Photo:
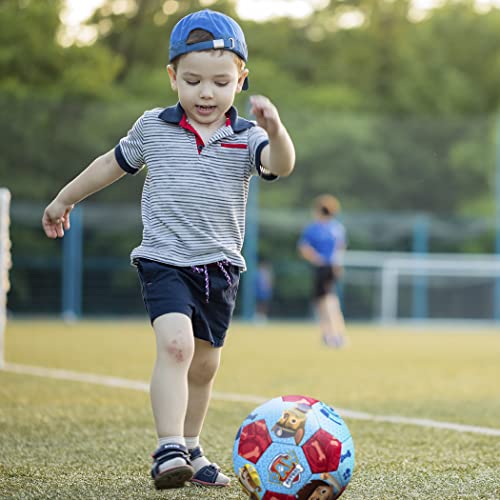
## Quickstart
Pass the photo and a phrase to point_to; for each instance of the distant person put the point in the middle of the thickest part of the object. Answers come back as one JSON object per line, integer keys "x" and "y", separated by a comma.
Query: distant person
{"x": 322, "y": 244}
{"x": 200, "y": 156}
{"x": 264, "y": 284}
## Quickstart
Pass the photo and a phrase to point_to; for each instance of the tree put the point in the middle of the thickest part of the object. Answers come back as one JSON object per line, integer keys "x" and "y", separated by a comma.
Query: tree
{"x": 33, "y": 63}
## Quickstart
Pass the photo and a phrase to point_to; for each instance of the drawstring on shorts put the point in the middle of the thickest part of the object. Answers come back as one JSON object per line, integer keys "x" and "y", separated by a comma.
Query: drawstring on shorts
{"x": 221, "y": 264}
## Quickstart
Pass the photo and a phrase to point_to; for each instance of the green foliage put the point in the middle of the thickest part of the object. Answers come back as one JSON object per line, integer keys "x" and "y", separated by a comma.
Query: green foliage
{"x": 318, "y": 73}
{"x": 391, "y": 114}
{"x": 452, "y": 62}
{"x": 33, "y": 63}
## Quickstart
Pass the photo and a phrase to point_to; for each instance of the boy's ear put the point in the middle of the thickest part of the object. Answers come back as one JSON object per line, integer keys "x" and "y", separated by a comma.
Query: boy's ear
{"x": 173, "y": 76}
{"x": 241, "y": 80}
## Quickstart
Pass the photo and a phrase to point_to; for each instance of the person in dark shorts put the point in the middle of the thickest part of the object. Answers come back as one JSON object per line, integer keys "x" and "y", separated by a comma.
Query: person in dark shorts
{"x": 200, "y": 157}
{"x": 322, "y": 244}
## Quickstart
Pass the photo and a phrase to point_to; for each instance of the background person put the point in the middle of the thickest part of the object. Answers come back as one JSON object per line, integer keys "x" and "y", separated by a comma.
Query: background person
{"x": 264, "y": 285}
{"x": 322, "y": 244}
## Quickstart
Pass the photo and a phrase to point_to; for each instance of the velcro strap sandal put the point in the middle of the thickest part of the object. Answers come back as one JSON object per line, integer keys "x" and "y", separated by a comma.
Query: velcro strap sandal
{"x": 209, "y": 475}
{"x": 171, "y": 466}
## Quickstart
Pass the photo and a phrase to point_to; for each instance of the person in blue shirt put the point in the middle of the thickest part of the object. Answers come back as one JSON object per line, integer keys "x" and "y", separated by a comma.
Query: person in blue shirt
{"x": 322, "y": 244}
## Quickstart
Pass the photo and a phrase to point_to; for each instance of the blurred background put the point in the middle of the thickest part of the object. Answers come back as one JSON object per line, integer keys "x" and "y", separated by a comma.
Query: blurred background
{"x": 393, "y": 107}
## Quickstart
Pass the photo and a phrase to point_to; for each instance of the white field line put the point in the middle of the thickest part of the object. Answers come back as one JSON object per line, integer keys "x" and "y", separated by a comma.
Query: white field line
{"x": 236, "y": 397}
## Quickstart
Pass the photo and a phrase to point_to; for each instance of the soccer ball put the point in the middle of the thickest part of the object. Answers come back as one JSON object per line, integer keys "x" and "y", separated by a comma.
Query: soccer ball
{"x": 293, "y": 447}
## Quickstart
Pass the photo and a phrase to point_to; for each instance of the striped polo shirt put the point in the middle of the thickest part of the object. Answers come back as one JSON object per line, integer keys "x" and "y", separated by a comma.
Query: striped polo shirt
{"x": 195, "y": 193}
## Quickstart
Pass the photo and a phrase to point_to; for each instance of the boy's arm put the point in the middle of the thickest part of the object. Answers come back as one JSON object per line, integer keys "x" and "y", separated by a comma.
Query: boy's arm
{"x": 102, "y": 172}
{"x": 279, "y": 156}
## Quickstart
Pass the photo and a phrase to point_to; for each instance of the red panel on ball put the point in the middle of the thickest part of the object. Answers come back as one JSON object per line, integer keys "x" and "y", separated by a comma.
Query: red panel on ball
{"x": 254, "y": 441}
{"x": 322, "y": 451}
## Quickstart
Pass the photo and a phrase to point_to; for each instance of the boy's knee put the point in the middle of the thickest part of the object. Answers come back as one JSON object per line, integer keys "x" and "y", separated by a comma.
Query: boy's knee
{"x": 178, "y": 348}
{"x": 174, "y": 337}
{"x": 203, "y": 372}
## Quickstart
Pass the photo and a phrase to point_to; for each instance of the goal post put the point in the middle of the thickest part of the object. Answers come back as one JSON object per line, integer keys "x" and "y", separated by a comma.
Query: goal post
{"x": 448, "y": 286}
{"x": 5, "y": 264}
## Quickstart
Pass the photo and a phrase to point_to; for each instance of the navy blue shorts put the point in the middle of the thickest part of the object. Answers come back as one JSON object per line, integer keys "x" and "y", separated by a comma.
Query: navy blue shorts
{"x": 324, "y": 279}
{"x": 167, "y": 289}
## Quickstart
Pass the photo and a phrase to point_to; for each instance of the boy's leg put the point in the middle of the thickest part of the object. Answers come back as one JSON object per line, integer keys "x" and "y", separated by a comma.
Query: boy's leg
{"x": 169, "y": 382}
{"x": 169, "y": 398}
{"x": 201, "y": 376}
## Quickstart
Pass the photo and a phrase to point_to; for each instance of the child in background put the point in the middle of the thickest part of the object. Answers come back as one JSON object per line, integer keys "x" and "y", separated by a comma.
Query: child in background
{"x": 322, "y": 244}
{"x": 263, "y": 289}
{"x": 200, "y": 156}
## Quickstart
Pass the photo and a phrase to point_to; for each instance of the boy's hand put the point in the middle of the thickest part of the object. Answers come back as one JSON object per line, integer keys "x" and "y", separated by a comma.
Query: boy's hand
{"x": 56, "y": 219}
{"x": 265, "y": 114}
{"x": 278, "y": 157}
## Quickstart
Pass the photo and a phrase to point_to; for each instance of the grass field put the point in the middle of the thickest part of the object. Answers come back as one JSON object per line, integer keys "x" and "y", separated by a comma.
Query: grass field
{"x": 62, "y": 439}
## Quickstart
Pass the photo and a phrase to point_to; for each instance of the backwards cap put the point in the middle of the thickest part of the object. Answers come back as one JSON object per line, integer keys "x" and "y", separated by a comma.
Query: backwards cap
{"x": 225, "y": 30}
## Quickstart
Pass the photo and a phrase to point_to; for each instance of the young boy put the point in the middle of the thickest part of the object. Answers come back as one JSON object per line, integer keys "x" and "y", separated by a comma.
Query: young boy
{"x": 322, "y": 244}
{"x": 200, "y": 156}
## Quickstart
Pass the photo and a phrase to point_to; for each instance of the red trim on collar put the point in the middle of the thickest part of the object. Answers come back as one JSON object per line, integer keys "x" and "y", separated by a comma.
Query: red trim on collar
{"x": 199, "y": 141}
{"x": 187, "y": 126}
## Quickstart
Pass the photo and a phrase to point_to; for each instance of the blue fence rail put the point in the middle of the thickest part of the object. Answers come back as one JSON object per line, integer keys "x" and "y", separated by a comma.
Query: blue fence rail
{"x": 88, "y": 273}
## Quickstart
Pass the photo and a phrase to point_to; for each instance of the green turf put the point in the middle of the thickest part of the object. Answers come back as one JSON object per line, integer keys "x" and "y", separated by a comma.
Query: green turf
{"x": 61, "y": 439}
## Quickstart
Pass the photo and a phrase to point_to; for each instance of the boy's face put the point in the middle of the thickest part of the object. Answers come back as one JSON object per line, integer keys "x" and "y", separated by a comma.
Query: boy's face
{"x": 206, "y": 83}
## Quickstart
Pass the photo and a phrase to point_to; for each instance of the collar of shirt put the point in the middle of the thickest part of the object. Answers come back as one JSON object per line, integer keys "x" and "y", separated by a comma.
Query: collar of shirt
{"x": 174, "y": 114}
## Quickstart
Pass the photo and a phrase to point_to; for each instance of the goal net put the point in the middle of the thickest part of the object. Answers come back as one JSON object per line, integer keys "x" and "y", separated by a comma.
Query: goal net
{"x": 427, "y": 286}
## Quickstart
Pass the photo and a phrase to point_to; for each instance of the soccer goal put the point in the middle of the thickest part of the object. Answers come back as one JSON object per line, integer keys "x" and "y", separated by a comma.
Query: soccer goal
{"x": 5, "y": 264}
{"x": 449, "y": 287}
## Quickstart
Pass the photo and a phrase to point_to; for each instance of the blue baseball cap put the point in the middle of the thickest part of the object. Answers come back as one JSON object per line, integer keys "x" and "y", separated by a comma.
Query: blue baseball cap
{"x": 226, "y": 32}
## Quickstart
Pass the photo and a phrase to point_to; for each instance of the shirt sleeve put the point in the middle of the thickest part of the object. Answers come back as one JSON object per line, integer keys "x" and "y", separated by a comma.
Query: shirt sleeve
{"x": 257, "y": 140}
{"x": 129, "y": 152}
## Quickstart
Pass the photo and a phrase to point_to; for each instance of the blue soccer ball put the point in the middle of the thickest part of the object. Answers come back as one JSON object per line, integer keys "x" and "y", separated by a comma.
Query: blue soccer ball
{"x": 293, "y": 447}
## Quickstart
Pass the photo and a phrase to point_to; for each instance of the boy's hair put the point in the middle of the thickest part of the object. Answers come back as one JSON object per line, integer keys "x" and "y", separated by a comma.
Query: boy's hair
{"x": 200, "y": 35}
{"x": 328, "y": 205}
